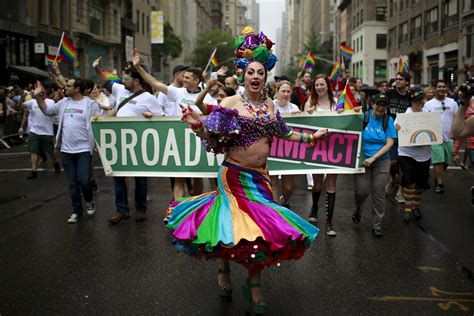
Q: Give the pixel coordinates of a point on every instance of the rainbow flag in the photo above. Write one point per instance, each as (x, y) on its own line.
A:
(214, 62)
(403, 66)
(310, 61)
(67, 49)
(336, 71)
(346, 51)
(51, 58)
(110, 76)
(346, 100)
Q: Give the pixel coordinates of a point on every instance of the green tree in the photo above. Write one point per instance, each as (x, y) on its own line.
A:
(313, 44)
(171, 48)
(205, 44)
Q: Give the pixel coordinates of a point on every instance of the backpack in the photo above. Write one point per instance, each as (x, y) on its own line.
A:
(367, 118)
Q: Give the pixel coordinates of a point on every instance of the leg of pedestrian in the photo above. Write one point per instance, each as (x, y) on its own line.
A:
(69, 162)
(141, 191)
(83, 176)
(121, 201)
(379, 176)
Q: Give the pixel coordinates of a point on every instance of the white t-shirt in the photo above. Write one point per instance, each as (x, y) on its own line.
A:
(75, 136)
(39, 123)
(144, 102)
(419, 153)
(184, 97)
(167, 105)
(288, 108)
(448, 108)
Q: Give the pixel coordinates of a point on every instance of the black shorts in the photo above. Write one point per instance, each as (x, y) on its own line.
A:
(414, 172)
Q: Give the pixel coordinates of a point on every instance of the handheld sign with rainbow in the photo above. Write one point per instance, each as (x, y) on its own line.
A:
(419, 128)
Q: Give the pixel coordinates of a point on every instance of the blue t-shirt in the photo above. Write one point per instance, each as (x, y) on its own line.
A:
(374, 137)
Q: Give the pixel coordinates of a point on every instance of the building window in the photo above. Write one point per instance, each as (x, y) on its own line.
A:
(403, 5)
(143, 23)
(361, 16)
(381, 14)
(381, 41)
(357, 19)
(357, 45)
(148, 26)
(138, 21)
(380, 70)
(468, 5)
(390, 8)
(432, 20)
(404, 32)
(361, 43)
(96, 20)
(450, 12)
(413, 2)
(470, 42)
(416, 27)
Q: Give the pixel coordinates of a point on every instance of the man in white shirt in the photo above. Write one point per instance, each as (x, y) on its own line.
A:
(75, 141)
(41, 132)
(184, 96)
(441, 154)
(132, 100)
(168, 105)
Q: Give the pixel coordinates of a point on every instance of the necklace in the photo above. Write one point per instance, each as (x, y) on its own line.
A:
(261, 112)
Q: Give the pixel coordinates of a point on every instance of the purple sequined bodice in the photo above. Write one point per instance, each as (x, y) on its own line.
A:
(227, 129)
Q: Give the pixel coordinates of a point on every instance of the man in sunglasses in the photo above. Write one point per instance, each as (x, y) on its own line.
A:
(441, 154)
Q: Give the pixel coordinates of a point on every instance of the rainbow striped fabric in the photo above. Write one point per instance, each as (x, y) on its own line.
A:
(51, 59)
(310, 61)
(67, 49)
(214, 62)
(346, 51)
(403, 66)
(110, 76)
(336, 71)
(346, 100)
(239, 221)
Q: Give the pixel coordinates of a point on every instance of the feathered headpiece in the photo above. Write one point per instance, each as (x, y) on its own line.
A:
(250, 47)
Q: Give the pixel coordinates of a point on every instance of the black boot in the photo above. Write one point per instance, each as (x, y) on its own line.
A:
(313, 215)
(330, 201)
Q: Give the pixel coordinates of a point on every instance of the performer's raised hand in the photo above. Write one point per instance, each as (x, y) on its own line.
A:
(39, 90)
(96, 63)
(222, 71)
(189, 115)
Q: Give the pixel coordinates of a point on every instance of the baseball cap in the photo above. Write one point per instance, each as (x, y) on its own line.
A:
(380, 98)
(416, 93)
(179, 68)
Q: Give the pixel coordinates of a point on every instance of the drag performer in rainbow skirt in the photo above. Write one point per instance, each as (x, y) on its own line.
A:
(240, 221)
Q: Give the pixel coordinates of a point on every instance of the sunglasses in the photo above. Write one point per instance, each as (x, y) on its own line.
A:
(444, 107)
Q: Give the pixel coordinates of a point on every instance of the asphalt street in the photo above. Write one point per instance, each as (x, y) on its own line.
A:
(51, 267)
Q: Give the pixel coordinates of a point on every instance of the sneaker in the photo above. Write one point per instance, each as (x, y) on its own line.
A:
(356, 218)
(73, 218)
(399, 198)
(313, 216)
(417, 213)
(309, 187)
(140, 216)
(57, 168)
(32, 175)
(439, 188)
(90, 208)
(407, 216)
(117, 217)
(330, 230)
(377, 232)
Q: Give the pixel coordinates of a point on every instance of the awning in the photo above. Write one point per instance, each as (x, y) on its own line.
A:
(32, 71)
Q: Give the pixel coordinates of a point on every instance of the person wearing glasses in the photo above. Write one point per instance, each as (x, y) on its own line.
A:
(399, 102)
(441, 154)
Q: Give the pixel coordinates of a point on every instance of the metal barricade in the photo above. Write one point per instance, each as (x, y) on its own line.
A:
(9, 129)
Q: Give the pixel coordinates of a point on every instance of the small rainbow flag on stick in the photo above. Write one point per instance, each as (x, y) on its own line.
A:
(346, 100)
(214, 62)
(336, 71)
(346, 51)
(53, 59)
(310, 61)
(403, 66)
(67, 49)
(110, 76)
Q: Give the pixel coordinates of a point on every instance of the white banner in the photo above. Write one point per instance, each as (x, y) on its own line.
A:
(419, 128)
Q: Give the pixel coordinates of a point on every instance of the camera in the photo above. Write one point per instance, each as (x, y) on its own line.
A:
(467, 88)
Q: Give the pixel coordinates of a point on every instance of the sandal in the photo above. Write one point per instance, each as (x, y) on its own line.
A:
(225, 290)
(258, 307)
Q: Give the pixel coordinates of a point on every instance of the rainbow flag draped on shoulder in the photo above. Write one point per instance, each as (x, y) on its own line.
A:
(346, 100)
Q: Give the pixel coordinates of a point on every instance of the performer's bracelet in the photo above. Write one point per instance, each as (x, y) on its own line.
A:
(198, 127)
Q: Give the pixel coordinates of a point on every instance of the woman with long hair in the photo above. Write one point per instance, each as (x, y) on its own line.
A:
(322, 99)
(282, 103)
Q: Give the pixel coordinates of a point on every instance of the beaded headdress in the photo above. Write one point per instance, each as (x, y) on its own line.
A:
(250, 46)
